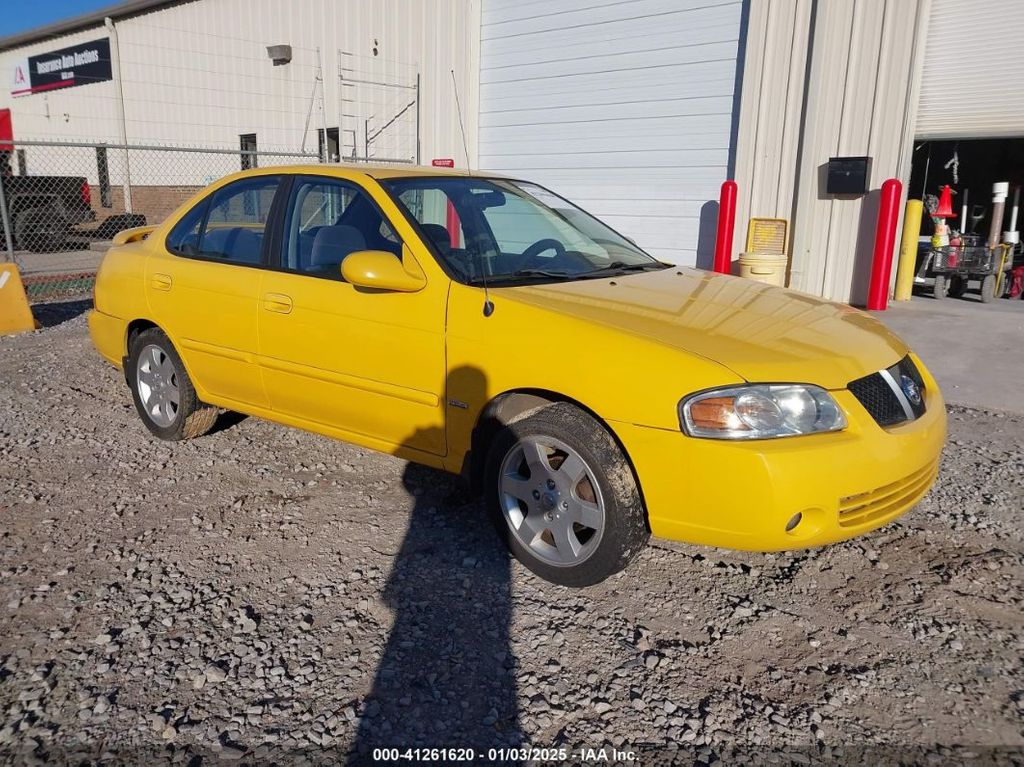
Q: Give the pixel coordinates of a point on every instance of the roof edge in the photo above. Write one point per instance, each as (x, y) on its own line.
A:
(84, 21)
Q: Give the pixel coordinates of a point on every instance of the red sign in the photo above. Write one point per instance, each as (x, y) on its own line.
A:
(443, 162)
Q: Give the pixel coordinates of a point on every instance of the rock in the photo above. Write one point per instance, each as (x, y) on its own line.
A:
(215, 674)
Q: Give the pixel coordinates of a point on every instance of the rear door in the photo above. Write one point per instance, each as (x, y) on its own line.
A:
(203, 288)
(370, 363)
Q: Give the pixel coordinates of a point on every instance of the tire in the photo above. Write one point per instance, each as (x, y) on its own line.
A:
(163, 393)
(584, 526)
(941, 288)
(988, 288)
(40, 230)
(1003, 289)
(957, 286)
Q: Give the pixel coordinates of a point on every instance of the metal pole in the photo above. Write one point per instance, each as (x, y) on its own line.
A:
(999, 191)
(153, 147)
(5, 216)
(115, 54)
(418, 159)
(323, 105)
(309, 112)
(342, 114)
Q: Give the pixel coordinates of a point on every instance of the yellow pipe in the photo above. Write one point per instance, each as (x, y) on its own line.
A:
(908, 250)
(1006, 250)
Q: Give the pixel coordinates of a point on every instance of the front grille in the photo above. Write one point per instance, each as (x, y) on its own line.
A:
(887, 500)
(878, 398)
(882, 402)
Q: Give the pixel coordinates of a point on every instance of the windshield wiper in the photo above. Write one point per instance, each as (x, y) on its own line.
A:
(615, 267)
(540, 273)
(524, 273)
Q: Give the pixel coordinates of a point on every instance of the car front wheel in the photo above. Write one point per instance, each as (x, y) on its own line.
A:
(563, 496)
(163, 392)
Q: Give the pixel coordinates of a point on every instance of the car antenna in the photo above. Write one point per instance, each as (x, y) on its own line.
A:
(488, 304)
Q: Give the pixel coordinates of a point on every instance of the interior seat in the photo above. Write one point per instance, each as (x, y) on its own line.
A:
(331, 246)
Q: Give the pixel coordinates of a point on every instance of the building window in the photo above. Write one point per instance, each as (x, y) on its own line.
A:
(329, 149)
(247, 143)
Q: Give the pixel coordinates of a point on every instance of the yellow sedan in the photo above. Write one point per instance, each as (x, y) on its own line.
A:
(486, 326)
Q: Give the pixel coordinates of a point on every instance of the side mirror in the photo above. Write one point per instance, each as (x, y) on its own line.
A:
(380, 270)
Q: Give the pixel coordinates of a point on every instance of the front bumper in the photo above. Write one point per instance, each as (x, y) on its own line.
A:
(742, 495)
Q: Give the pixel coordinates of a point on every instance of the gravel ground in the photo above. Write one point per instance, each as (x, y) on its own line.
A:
(264, 593)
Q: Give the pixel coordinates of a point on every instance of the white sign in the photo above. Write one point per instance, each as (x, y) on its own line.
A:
(21, 85)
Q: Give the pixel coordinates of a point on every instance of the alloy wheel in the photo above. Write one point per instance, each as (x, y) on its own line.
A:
(551, 501)
(157, 382)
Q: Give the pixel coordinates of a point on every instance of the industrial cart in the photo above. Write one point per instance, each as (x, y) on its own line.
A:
(951, 268)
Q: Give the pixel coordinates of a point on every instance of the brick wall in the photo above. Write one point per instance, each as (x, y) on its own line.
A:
(154, 202)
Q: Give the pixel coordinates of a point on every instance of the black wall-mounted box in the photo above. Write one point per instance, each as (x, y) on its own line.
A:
(848, 175)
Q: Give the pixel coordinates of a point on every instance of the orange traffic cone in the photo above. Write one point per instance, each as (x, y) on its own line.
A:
(945, 209)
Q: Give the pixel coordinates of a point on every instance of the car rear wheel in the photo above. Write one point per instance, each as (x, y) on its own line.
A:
(163, 392)
(563, 496)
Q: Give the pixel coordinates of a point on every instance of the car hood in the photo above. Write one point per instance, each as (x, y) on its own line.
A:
(761, 333)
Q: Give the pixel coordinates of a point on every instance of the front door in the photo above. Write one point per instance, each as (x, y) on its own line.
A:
(369, 363)
(203, 285)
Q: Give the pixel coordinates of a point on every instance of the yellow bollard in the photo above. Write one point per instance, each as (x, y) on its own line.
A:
(15, 316)
(908, 250)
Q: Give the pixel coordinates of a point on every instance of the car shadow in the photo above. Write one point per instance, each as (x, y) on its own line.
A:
(447, 675)
(55, 313)
(227, 419)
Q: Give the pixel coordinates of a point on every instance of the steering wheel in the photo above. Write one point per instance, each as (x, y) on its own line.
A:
(531, 253)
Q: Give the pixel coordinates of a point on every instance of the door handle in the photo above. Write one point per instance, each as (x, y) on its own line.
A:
(160, 282)
(277, 302)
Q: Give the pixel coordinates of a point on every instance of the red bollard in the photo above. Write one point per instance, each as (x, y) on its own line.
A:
(726, 225)
(885, 238)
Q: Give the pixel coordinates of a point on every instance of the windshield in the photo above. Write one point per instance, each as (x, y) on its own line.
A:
(513, 231)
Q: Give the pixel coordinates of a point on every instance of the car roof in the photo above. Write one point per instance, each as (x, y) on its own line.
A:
(373, 171)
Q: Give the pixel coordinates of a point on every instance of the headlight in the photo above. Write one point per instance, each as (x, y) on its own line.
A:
(760, 411)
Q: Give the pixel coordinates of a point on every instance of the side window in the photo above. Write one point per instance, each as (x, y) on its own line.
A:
(327, 219)
(184, 237)
(236, 220)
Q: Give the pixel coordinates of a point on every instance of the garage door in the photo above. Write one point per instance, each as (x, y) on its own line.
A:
(624, 107)
(971, 81)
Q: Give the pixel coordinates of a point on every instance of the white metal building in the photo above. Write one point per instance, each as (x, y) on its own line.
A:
(626, 108)
(636, 109)
(198, 73)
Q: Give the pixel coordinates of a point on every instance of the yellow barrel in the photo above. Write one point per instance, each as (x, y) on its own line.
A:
(764, 267)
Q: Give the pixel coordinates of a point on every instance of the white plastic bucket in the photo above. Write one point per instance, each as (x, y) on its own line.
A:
(769, 268)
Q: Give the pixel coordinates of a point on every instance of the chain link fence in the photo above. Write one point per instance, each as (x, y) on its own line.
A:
(62, 202)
